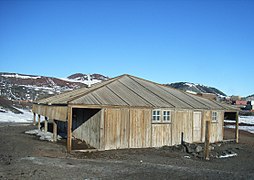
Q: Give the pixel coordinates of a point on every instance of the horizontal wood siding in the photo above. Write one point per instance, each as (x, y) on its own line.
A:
(161, 135)
(86, 126)
(182, 123)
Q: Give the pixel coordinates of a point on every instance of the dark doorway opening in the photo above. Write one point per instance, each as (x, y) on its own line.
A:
(230, 125)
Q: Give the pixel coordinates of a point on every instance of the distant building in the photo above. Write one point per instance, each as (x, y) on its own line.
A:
(240, 102)
(235, 98)
(210, 96)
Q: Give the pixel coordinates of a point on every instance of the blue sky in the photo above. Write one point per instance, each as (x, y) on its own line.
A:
(200, 41)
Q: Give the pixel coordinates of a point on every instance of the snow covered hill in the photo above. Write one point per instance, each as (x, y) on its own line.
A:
(22, 87)
(196, 88)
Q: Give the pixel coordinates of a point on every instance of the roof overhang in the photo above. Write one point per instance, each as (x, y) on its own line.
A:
(57, 112)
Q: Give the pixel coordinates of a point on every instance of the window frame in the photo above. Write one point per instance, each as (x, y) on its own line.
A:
(159, 118)
(168, 116)
(156, 117)
(215, 116)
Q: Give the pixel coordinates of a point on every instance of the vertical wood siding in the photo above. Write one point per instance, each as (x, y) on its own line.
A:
(161, 135)
(86, 126)
(182, 123)
(197, 124)
(127, 128)
(216, 127)
(140, 128)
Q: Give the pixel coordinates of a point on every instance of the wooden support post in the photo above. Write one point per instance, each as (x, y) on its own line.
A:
(69, 130)
(236, 128)
(46, 125)
(34, 120)
(207, 140)
(54, 131)
(39, 122)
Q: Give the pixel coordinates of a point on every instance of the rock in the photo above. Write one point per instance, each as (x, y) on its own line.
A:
(211, 148)
(198, 149)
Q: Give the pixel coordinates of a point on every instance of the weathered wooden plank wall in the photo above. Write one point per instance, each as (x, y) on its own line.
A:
(52, 112)
(216, 127)
(161, 135)
(140, 128)
(127, 128)
(182, 124)
(86, 126)
(197, 126)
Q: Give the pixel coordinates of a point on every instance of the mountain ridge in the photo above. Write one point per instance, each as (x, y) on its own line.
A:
(23, 87)
(196, 88)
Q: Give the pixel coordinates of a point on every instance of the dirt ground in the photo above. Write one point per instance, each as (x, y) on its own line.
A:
(24, 156)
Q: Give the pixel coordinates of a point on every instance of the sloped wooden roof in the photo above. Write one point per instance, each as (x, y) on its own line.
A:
(127, 90)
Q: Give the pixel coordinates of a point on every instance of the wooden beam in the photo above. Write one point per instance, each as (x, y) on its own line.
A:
(39, 122)
(69, 130)
(34, 120)
(207, 140)
(46, 125)
(54, 131)
(237, 128)
(102, 130)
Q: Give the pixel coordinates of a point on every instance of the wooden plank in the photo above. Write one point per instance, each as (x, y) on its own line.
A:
(182, 124)
(161, 135)
(140, 128)
(102, 130)
(206, 117)
(54, 131)
(207, 139)
(69, 130)
(147, 127)
(236, 128)
(46, 125)
(124, 128)
(197, 117)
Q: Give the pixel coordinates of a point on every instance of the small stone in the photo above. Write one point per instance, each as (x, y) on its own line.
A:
(198, 149)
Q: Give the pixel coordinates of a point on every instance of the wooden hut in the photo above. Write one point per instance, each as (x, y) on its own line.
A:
(130, 112)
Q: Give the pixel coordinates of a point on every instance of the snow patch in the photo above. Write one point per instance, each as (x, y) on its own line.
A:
(20, 76)
(45, 136)
(191, 92)
(228, 155)
(243, 119)
(9, 116)
(189, 84)
(244, 128)
(87, 82)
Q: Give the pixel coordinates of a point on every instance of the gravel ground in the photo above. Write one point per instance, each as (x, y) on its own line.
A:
(24, 156)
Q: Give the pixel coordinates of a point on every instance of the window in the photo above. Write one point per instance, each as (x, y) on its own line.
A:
(161, 116)
(166, 116)
(214, 116)
(156, 115)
